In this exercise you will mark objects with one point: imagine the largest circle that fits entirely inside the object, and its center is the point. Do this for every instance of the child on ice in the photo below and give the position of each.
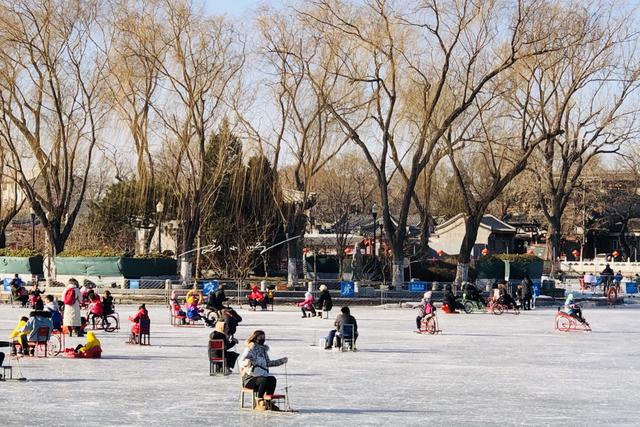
(426, 309)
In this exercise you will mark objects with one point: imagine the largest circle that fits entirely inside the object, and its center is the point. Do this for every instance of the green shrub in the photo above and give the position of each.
(20, 253)
(91, 253)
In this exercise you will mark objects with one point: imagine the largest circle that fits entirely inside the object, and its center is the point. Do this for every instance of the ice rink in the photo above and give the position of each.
(482, 370)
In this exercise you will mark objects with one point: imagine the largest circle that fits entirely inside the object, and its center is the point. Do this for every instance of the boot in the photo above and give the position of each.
(261, 405)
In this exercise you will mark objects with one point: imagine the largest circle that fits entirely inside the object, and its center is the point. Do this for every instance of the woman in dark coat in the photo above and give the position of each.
(324, 301)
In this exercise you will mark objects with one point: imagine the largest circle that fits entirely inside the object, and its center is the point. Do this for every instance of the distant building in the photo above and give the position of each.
(495, 235)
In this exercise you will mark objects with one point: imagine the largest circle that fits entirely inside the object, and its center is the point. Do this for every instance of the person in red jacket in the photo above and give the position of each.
(141, 323)
(96, 309)
(257, 297)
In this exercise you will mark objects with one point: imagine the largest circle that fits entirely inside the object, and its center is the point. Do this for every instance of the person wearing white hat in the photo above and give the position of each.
(426, 309)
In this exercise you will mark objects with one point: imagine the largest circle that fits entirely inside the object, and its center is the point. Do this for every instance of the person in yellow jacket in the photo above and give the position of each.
(193, 298)
(92, 349)
(16, 336)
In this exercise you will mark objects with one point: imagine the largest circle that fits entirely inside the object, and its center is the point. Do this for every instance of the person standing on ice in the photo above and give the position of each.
(324, 302)
(254, 369)
(72, 319)
(425, 310)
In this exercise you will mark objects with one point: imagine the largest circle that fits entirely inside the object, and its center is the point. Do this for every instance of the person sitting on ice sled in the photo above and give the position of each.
(307, 305)
(91, 350)
(344, 318)
(177, 310)
(505, 297)
(141, 324)
(426, 310)
(573, 309)
(254, 369)
(472, 294)
(450, 301)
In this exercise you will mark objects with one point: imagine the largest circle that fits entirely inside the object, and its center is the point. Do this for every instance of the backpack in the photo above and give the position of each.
(69, 296)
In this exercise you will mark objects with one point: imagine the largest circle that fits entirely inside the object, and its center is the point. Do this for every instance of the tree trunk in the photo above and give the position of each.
(397, 265)
(424, 235)
(624, 239)
(397, 273)
(186, 266)
(553, 239)
(292, 271)
(472, 224)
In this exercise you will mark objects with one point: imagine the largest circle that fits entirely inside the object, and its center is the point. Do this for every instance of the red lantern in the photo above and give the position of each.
(485, 252)
(615, 254)
(440, 252)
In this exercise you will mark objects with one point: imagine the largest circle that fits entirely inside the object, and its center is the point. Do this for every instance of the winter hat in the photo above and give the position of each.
(570, 297)
(323, 287)
(427, 295)
(307, 295)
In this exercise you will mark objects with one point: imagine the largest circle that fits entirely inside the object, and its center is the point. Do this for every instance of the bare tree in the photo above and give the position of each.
(11, 197)
(501, 133)
(305, 133)
(592, 87)
(344, 190)
(203, 57)
(50, 111)
(133, 86)
(411, 73)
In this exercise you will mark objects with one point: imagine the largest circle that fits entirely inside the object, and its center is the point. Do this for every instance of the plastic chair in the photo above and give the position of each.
(347, 338)
(6, 369)
(216, 356)
(254, 396)
(42, 339)
(243, 391)
(144, 335)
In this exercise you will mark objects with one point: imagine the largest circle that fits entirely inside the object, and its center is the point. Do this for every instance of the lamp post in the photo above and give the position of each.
(374, 213)
(159, 209)
(33, 228)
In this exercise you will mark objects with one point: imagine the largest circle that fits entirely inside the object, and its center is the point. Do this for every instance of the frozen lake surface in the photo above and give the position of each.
(483, 370)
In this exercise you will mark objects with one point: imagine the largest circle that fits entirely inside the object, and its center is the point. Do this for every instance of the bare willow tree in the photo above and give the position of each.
(592, 89)
(133, 89)
(344, 191)
(11, 198)
(501, 134)
(306, 135)
(203, 57)
(51, 78)
(434, 56)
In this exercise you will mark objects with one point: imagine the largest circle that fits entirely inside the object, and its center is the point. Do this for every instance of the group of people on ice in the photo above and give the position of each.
(324, 302)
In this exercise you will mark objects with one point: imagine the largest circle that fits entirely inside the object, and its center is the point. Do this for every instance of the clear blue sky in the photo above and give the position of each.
(235, 7)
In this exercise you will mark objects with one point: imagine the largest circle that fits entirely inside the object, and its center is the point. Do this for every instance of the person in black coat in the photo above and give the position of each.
(107, 304)
(229, 343)
(473, 294)
(450, 300)
(230, 319)
(324, 301)
(344, 318)
(527, 292)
